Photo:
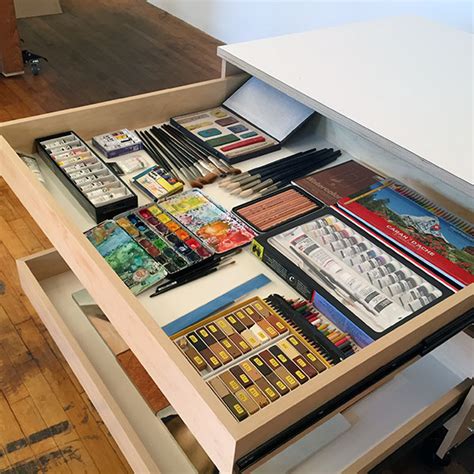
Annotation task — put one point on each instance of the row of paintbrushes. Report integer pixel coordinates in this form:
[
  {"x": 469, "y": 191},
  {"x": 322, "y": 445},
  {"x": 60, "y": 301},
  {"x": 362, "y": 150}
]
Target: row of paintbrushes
[
  {"x": 184, "y": 159},
  {"x": 268, "y": 178}
]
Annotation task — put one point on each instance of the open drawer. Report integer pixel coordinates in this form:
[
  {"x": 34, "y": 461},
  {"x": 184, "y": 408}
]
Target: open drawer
[{"x": 229, "y": 443}]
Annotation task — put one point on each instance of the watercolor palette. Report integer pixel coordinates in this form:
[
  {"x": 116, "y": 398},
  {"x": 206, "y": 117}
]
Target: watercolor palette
[
  {"x": 219, "y": 229},
  {"x": 163, "y": 238},
  {"x": 374, "y": 285},
  {"x": 278, "y": 208},
  {"x": 250, "y": 356},
  {"x": 129, "y": 260},
  {"x": 225, "y": 134}
]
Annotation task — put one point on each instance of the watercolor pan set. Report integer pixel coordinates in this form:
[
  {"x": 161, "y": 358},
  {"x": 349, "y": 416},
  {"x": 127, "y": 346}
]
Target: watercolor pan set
[
  {"x": 173, "y": 246},
  {"x": 157, "y": 183},
  {"x": 250, "y": 356},
  {"x": 277, "y": 208},
  {"x": 218, "y": 228},
  {"x": 135, "y": 267},
  {"x": 370, "y": 283},
  {"x": 117, "y": 143},
  {"x": 95, "y": 186}
]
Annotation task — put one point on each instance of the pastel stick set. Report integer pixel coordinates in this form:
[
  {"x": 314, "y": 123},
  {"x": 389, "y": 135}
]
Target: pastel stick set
[
  {"x": 254, "y": 120},
  {"x": 226, "y": 134},
  {"x": 250, "y": 356}
]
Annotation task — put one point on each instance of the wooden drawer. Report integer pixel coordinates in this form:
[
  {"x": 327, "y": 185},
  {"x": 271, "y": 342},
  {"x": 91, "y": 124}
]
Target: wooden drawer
[{"x": 138, "y": 320}]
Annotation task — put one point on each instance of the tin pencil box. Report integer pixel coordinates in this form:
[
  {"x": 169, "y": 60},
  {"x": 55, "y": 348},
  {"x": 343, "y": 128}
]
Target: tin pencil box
[
  {"x": 325, "y": 253},
  {"x": 95, "y": 186}
]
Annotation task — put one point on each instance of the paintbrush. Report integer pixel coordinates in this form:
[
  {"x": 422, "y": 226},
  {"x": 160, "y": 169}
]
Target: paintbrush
[
  {"x": 154, "y": 154},
  {"x": 203, "y": 161},
  {"x": 303, "y": 159},
  {"x": 281, "y": 180},
  {"x": 159, "y": 155},
  {"x": 194, "y": 152},
  {"x": 189, "y": 176},
  {"x": 269, "y": 178},
  {"x": 283, "y": 162},
  {"x": 206, "y": 176},
  {"x": 183, "y": 159},
  {"x": 202, "y": 265},
  {"x": 174, "y": 284},
  {"x": 217, "y": 161}
]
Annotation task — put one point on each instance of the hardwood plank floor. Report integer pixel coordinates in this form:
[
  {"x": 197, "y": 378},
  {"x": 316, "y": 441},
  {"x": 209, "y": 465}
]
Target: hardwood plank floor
[
  {"x": 100, "y": 50},
  {"x": 97, "y": 50}
]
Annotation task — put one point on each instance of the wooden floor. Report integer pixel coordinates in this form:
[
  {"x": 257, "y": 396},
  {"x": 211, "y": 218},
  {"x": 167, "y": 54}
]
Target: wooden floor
[
  {"x": 97, "y": 50},
  {"x": 105, "y": 49}
]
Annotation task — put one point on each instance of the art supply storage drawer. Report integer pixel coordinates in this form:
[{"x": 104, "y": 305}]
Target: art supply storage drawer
[{"x": 138, "y": 319}]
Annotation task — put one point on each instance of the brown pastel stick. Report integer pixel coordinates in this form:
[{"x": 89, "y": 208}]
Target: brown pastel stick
[
  {"x": 244, "y": 318},
  {"x": 318, "y": 365},
  {"x": 219, "y": 387},
  {"x": 262, "y": 308},
  {"x": 268, "y": 328},
  {"x": 240, "y": 342},
  {"x": 277, "y": 323},
  {"x": 225, "y": 327},
  {"x": 231, "y": 382},
  {"x": 246, "y": 401},
  {"x": 210, "y": 358},
  {"x": 231, "y": 348},
  {"x": 267, "y": 389},
  {"x": 220, "y": 353},
  {"x": 278, "y": 384},
  {"x": 241, "y": 376},
  {"x": 250, "y": 338},
  {"x": 215, "y": 331},
  {"x": 250, "y": 370},
  {"x": 305, "y": 366},
  {"x": 235, "y": 407},
  {"x": 257, "y": 396},
  {"x": 284, "y": 375},
  {"x": 255, "y": 315}
]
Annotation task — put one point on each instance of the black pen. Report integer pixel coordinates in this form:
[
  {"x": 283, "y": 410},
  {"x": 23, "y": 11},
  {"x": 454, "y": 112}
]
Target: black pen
[{"x": 175, "y": 284}]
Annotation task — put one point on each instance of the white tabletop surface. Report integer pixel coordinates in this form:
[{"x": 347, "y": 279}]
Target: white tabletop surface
[{"x": 405, "y": 83}]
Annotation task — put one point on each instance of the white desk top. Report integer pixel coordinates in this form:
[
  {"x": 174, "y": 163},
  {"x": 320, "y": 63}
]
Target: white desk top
[{"x": 404, "y": 83}]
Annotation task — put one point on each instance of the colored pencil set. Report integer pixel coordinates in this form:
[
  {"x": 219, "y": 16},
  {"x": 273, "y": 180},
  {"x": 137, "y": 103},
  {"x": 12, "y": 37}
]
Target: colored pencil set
[
  {"x": 277, "y": 208},
  {"x": 433, "y": 208},
  {"x": 342, "y": 340}
]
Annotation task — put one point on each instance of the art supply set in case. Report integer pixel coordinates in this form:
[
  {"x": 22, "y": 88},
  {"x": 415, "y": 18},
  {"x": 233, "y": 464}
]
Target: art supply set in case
[
  {"x": 117, "y": 143},
  {"x": 95, "y": 186},
  {"x": 244, "y": 126},
  {"x": 251, "y": 356},
  {"x": 324, "y": 253},
  {"x": 277, "y": 208}
]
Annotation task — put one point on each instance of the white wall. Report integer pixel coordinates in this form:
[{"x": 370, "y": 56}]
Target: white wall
[{"x": 233, "y": 21}]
